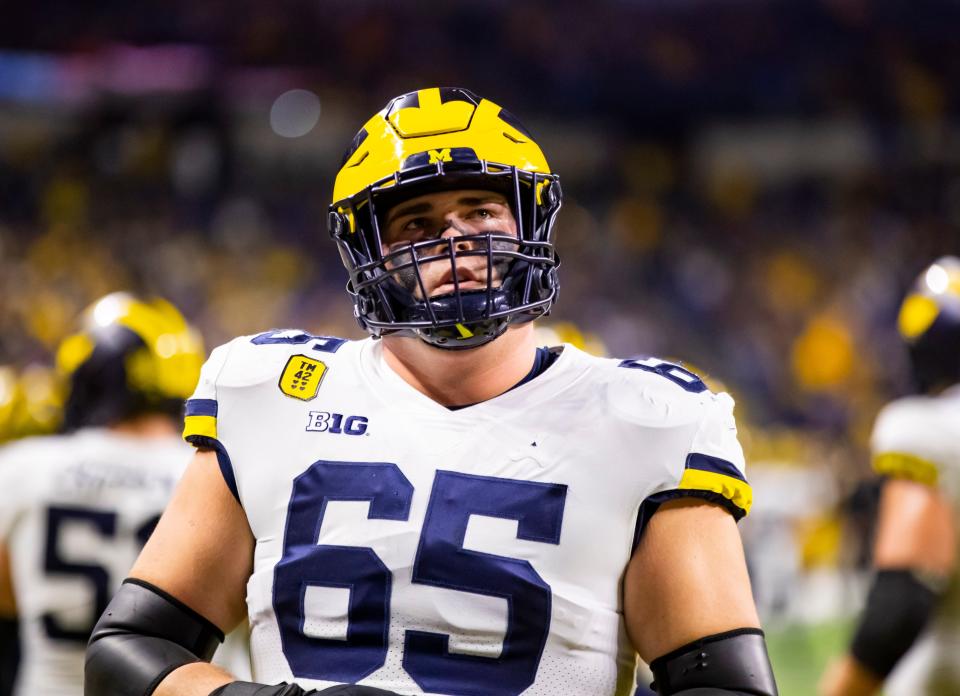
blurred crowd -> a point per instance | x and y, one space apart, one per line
749 186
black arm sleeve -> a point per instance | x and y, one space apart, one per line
899 607
734 662
143 635
9 654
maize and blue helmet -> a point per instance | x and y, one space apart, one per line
929 322
131 357
433 140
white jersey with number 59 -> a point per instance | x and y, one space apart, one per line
407 546
74 513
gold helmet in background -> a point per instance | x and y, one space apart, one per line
131 357
929 322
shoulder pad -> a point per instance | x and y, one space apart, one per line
298 337
251 360
254 359
679 375
660 394
656 393
31 450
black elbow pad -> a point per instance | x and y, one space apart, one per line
899 607
734 662
143 635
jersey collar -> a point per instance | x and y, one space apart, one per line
540 384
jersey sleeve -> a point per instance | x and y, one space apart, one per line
689 436
200 412
905 444
709 465
225 400
200 415
714 466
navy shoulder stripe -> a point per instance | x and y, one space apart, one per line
201 407
704 462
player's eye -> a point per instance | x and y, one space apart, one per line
412 230
414 225
482 214
415 230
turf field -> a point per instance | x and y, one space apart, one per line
800 653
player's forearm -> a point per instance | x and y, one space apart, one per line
197 679
849 678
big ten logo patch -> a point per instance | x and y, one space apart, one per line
301 377
326 422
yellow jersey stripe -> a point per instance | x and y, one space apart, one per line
908 466
200 425
736 491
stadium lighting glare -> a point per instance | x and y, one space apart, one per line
108 309
295 113
167 345
937 279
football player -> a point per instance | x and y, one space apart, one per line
916 445
444 508
76 507
30 404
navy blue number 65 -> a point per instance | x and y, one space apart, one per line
441 561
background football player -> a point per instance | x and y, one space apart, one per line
75 508
916 444
449 509
31 403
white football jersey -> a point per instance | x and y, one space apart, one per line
75 511
918 437
407 546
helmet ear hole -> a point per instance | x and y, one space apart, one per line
549 280
548 195
341 223
335 224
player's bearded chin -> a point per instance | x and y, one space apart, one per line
407 276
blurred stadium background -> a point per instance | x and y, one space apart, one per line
750 186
